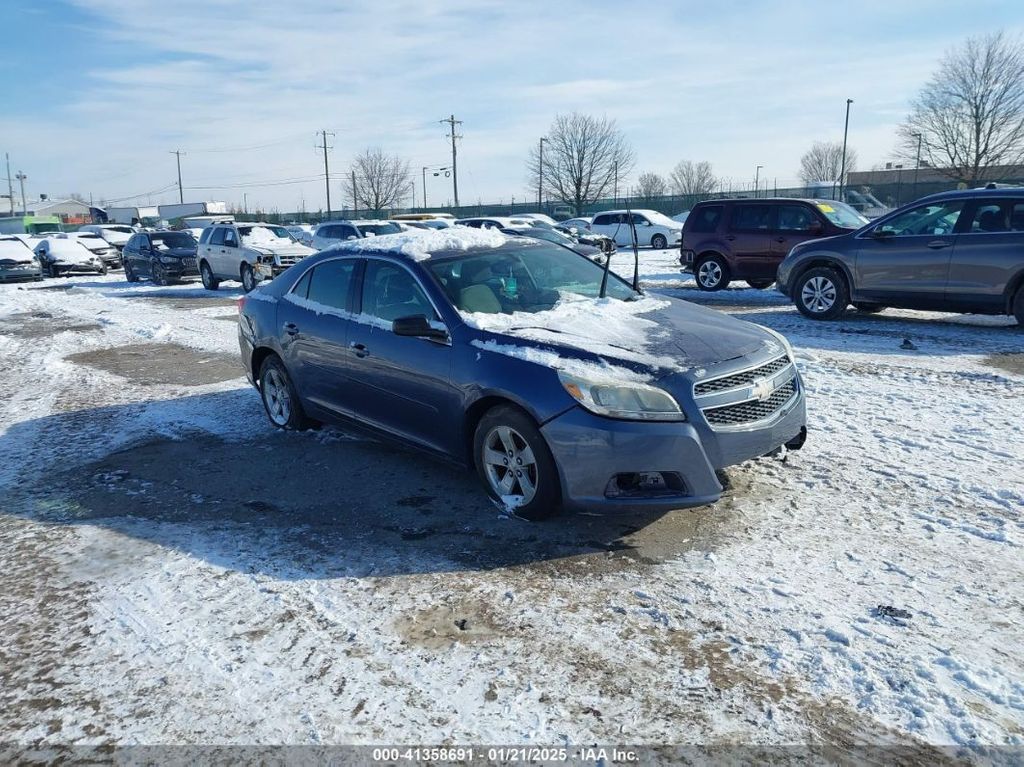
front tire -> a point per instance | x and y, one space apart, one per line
129 273
821 293
279 398
515 463
159 273
206 274
248 278
659 242
867 308
711 273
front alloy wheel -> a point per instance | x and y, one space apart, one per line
159 272
821 294
248 278
209 281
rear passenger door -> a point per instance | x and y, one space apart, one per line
748 237
988 254
214 251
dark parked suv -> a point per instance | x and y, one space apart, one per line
725 240
960 251
161 256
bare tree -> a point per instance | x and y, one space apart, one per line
692 178
381 181
970 117
650 186
824 162
583 158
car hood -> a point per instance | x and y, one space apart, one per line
179 252
681 337
116 238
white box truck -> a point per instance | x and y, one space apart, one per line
134 216
188 209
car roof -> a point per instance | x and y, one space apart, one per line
983 192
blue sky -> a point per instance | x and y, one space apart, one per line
97 92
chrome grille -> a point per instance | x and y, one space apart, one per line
289 260
753 410
188 263
744 378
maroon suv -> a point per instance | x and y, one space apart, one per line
725 240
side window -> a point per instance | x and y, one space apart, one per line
795 218
936 218
230 238
205 236
133 242
1017 217
217 238
705 220
639 220
601 220
751 218
348 231
390 292
301 288
990 217
330 282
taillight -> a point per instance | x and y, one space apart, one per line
241 304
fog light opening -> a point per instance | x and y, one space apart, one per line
645 484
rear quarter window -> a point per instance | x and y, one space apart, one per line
601 221
705 220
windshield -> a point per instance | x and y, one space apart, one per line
660 219
385 227
528 279
14 248
841 214
172 240
121 229
40 228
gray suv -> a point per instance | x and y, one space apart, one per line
960 251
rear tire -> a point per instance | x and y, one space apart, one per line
248 278
711 273
868 308
659 242
279 397
206 274
515 464
821 293
1018 306
760 284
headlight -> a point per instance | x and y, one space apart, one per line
781 339
634 401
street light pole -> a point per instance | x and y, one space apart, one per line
757 181
21 178
917 164
540 178
842 171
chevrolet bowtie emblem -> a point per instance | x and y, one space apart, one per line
762 389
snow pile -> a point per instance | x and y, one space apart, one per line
605 326
421 244
263 236
600 372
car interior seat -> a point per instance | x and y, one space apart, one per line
479 298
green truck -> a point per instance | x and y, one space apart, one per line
30 224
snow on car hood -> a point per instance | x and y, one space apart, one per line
69 251
14 250
656 335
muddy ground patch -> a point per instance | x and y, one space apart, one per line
150 364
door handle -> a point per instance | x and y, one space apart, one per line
938 244
359 349
730 237
291 328
780 239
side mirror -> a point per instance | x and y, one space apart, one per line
417 326
351 237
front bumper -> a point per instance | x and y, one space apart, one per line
20 273
591 451
78 268
183 267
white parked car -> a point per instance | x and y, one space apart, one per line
537 217
681 217
115 234
582 223
62 255
332 232
111 256
247 252
302 233
17 261
495 222
652 228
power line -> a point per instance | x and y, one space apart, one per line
327 171
452 122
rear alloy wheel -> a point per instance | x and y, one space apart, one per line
279 398
760 284
129 273
659 242
1018 306
868 308
821 293
712 273
248 278
206 274
515 463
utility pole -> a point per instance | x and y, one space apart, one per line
245 203
327 170
10 185
540 181
757 181
355 197
917 165
452 122
842 170
615 192
21 178
424 187
178 153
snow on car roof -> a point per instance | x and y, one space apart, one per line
421 244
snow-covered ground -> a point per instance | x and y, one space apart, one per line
174 571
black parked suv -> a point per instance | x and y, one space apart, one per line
743 239
161 256
960 251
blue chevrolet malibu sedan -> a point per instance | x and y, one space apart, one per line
560 384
